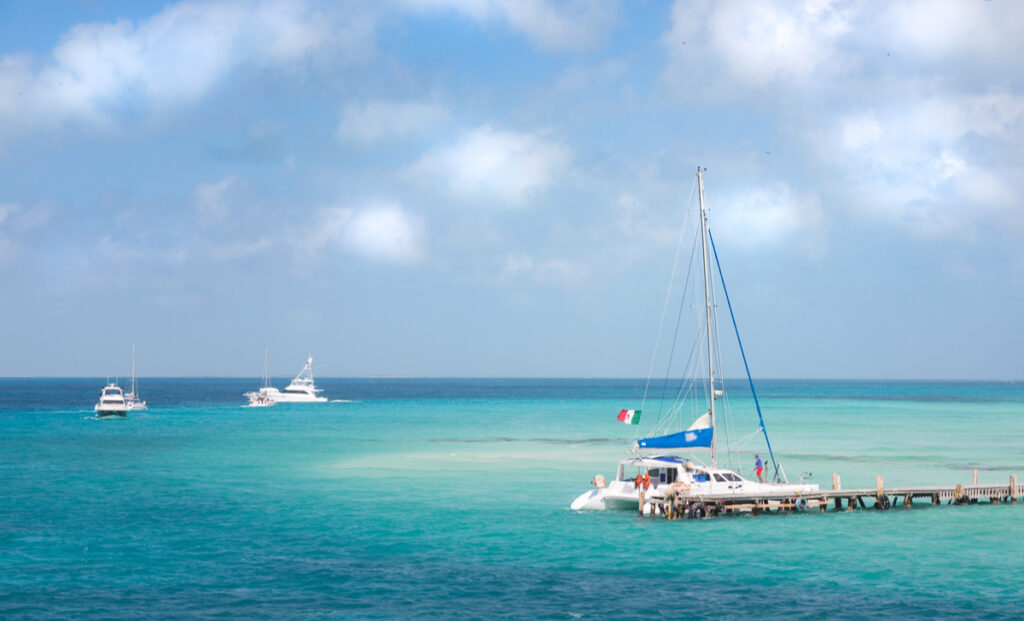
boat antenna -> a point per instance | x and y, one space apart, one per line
743 354
707 304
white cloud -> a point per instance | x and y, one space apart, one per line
546 271
770 216
176 56
938 31
15 222
378 232
918 164
241 249
212 199
491 164
378 120
737 45
860 131
571 25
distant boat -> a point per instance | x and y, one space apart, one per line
657 469
302 389
264 397
133 399
112 402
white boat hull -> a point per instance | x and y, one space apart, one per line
624 494
298 398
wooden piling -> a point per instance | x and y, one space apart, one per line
678 504
975 479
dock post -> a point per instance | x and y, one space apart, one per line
835 481
1013 489
975 479
641 503
878 484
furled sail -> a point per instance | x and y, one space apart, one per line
696 438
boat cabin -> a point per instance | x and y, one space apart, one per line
667 470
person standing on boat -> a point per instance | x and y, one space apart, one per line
758 468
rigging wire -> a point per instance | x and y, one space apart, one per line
671 281
732 315
675 336
728 425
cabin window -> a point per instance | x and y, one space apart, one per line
670 475
719 478
732 477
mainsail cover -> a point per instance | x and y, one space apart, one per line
697 437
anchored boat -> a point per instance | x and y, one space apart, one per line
133 400
112 402
664 464
302 389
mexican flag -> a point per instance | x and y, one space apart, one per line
630 417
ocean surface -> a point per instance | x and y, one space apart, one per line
449 499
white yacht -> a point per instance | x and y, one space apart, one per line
133 399
112 402
301 390
657 469
266 395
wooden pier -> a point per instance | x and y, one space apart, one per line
881 498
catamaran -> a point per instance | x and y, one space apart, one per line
665 462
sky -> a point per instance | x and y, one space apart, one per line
496 188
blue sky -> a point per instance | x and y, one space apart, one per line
495 188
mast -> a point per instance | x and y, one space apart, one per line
266 367
707 303
133 368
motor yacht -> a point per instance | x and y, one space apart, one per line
112 402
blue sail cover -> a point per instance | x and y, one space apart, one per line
690 439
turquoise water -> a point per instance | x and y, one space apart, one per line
448 499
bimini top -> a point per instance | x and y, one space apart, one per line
654 462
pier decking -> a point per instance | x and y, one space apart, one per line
694 506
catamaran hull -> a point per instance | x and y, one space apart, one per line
624 495
111 414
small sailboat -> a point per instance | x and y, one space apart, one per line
112 402
665 461
133 400
266 395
